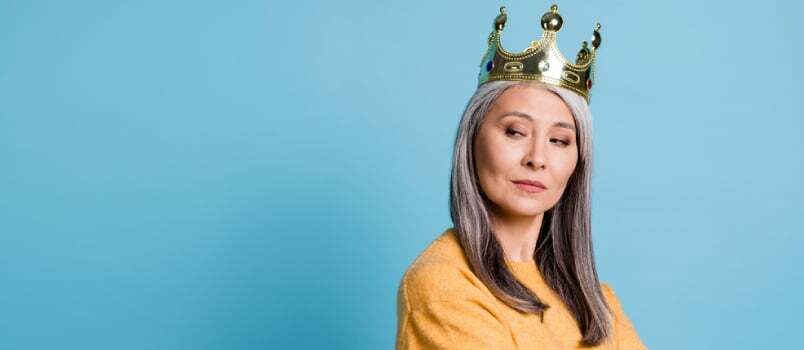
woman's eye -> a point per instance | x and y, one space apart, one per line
510 131
564 142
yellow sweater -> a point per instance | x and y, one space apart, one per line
441 304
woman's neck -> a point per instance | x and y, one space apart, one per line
517 235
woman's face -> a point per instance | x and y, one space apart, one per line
529 134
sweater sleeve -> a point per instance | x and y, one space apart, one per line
454 324
626 335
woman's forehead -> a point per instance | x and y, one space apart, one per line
536 102
546 108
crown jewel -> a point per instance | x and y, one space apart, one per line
541 61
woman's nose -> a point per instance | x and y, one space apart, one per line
536 156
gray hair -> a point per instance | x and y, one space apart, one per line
563 251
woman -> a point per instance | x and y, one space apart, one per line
517 269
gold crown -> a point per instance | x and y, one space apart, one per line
541 61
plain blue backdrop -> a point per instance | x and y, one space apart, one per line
252 174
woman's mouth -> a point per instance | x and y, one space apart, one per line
529 186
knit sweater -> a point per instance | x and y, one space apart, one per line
441 304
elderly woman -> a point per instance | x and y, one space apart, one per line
517 270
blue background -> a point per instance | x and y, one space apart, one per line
241 175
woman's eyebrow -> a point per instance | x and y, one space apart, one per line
528 117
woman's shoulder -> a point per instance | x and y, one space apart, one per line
625 331
613 301
611 298
440 273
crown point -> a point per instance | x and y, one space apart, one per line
596 39
552 20
583 54
499 21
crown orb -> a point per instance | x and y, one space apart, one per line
499 21
489 66
589 84
552 20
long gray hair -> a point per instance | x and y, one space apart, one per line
564 247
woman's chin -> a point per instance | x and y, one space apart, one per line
525 210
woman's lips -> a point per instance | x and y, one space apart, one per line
528 187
